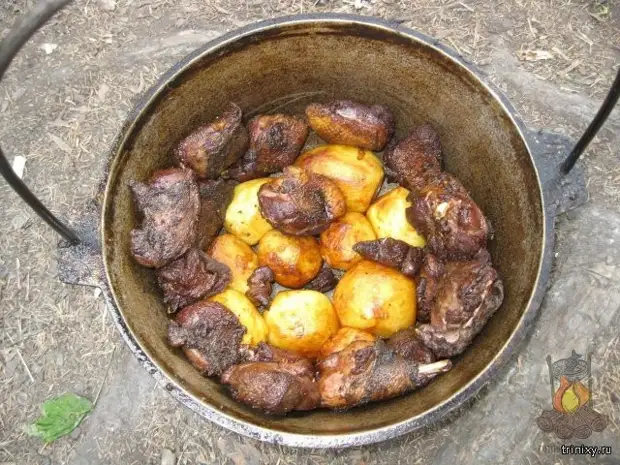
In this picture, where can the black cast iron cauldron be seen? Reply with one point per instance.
(513, 173)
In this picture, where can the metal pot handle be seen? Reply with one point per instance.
(45, 9)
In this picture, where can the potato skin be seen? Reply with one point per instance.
(357, 172)
(294, 260)
(245, 311)
(238, 256)
(342, 339)
(301, 321)
(388, 218)
(243, 217)
(338, 239)
(375, 298)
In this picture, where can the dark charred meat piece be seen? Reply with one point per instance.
(468, 294)
(169, 206)
(275, 142)
(215, 195)
(369, 371)
(193, 276)
(215, 146)
(301, 203)
(426, 287)
(350, 123)
(325, 281)
(210, 335)
(393, 253)
(454, 226)
(260, 286)
(407, 344)
(414, 159)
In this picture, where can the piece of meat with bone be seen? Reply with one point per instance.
(454, 226)
(274, 380)
(210, 335)
(393, 253)
(415, 159)
(301, 203)
(468, 293)
(215, 146)
(325, 281)
(408, 345)
(275, 142)
(351, 123)
(169, 205)
(215, 196)
(260, 285)
(191, 277)
(426, 282)
(370, 371)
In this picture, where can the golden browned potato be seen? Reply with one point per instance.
(236, 255)
(301, 321)
(245, 311)
(375, 298)
(243, 217)
(357, 172)
(387, 216)
(338, 239)
(342, 339)
(294, 260)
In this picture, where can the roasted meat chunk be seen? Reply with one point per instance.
(393, 253)
(210, 335)
(191, 277)
(426, 286)
(215, 146)
(408, 345)
(468, 293)
(325, 281)
(454, 226)
(350, 123)
(275, 142)
(215, 196)
(260, 285)
(370, 371)
(301, 203)
(169, 205)
(414, 159)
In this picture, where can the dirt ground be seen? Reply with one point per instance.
(65, 98)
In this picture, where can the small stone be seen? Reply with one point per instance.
(168, 457)
(614, 398)
(609, 260)
(45, 460)
(76, 433)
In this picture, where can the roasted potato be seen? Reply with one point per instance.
(338, 239)
(243, 217)
(244, 309)
(375, 298)
(238, 256)
(294, 260)
(388, 218)
(357, 172)
(342, 339)
(301, 321)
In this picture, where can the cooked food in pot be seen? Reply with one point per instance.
(412, 281)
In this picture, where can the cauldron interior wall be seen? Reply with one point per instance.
(420, 84)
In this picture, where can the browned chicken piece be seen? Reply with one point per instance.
(264, 352)
(169, 205)
(191, 277)
(414, 159)
(350, 123)
(426, 286)
(468, 294)
(301, 203)
(275, 142)
(260, 285)
(325, 281)
(393, 253)
(210, 336)
(370, 371)
(215, 196)
(454, 226)
(408, 344)
(215, 146)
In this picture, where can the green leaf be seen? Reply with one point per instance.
(59, 416)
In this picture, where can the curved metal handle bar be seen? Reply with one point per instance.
(45, 9)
